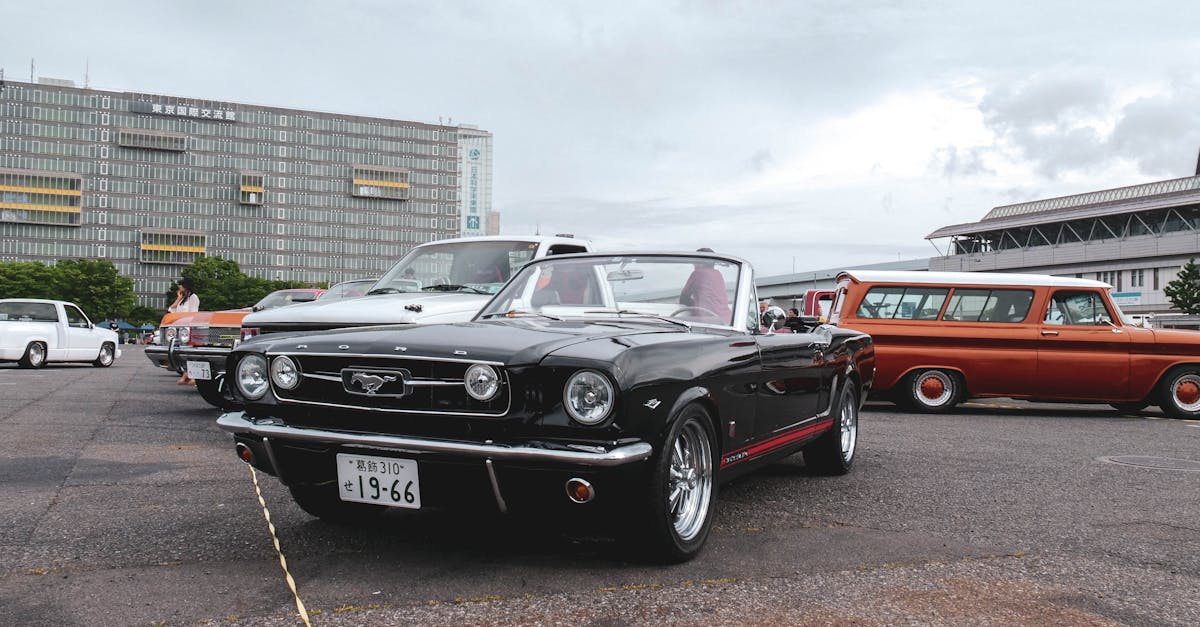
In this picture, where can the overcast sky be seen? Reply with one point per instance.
(805, 135)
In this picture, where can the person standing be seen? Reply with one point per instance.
(186, 300)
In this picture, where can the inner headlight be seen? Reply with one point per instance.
(285, 373)
(251, 376)
(482, 382)
(588, 397)
(184, 334)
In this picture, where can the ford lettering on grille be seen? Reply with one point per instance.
(376, 382)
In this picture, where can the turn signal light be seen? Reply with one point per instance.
(244, 453)
(580, 491)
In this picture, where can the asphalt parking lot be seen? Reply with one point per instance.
(125, 505)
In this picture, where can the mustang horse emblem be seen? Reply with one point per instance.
(370, 382)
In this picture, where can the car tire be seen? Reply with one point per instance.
(683, 489)
(321, 500)
(215, 392)
(932, 391)
(833, 452)
(1179, 392)
(34, 357)
(108, 354)
(1129, 408)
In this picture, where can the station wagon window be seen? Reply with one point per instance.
(980, 305)
(902, 303)
(75, 318)
(1086, 308)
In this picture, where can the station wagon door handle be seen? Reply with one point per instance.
(1046, 332)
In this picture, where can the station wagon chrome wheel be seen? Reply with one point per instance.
(1179, 393)
(690, 487)
(932, 390)
(1186, 391)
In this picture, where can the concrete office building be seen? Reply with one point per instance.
(153, 182)
(1135, 238)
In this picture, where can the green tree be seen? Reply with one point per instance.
(26, 279)
(141, 314)
(1184, 291)
(221, 284)
(96, 286)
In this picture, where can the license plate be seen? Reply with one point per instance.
(379, 480)
(199, 370)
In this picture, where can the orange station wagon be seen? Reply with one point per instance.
(943, 337)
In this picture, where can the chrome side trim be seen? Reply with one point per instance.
(236, 422)
(496, 487)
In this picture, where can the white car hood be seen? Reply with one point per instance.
(376, 309)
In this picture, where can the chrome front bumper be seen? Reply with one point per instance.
(237, 423)
(175, 357)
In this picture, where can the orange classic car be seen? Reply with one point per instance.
(943, 337)
(199, 341)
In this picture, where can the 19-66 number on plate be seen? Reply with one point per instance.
(379, 480)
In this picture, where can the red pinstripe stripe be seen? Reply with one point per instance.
(776, 442)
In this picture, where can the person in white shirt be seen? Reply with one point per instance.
(185, 301)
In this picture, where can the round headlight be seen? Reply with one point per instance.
(482, 382)
(184, 334)
(588, 397)
(251, 376)
(170, 333)
(285, 373)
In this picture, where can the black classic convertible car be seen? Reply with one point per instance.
(627, 383)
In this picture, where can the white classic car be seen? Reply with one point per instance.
(35, 331)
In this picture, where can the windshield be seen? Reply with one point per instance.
(279, 299)
(680, 288)
(479, 267)
(347, 289)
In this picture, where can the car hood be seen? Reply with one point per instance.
(509, 342)
(376, 309)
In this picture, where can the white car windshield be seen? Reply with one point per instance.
(676, 287)
(479, 267)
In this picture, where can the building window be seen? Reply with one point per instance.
(152, 140)
(252, 188)
(379, 182)
(173, 247)
(1137, 278)
(35, 197)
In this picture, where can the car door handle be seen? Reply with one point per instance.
(1049, 332)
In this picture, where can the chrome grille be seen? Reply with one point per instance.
(390, 384)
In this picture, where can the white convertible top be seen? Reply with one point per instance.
(966, 278)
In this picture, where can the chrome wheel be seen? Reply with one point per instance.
(932, 390)
(1185, 392)
(1178, 393)
(690, 484)
(106, 357)
(35, 356)
(849, 426)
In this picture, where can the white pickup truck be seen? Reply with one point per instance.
(34, 332)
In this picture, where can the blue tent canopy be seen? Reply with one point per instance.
(121, 324)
